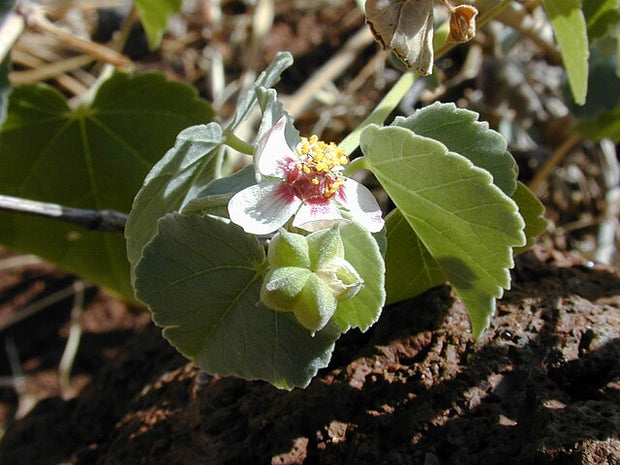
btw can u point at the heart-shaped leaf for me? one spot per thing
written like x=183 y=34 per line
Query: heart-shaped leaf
x=468 y=225
x=208 y=304
x=93 y=157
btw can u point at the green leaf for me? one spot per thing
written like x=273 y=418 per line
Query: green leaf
x=600 y=15
x=362 y=251
x=214 y=198
x=272 y=110
x=410 y=268
x=154 y=15
x=569 y=26
x=266 y=79
x=94 y=157
x=532 y=211
x=600 y=116
x=603 y=84
x=468 y=225
x=460 y=131
x=200 y=278
x=175 y=180
x=606 y=124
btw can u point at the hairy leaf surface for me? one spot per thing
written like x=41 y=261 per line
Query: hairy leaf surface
x=208 y=304
x=468 y=225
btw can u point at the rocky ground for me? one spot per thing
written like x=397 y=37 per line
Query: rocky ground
x=541 y=387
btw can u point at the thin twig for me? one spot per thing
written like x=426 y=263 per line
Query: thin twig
x=103 y=220
x=329 y=71
x=558 y=155
x=49 y=70
x=36 y=307
x=36 y=20
x=73 y=341
x=122 y=36
x=608 y=229
x=18 y=261
x=517 y=18
x=26 y=401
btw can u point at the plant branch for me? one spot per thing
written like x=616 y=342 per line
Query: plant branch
x=558 y=155
x=238 y=144
x=104 y=220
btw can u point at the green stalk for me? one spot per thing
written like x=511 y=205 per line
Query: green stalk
x=381 y=111
x=391 y=100
x=239 y=145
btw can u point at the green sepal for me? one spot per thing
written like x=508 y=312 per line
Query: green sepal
x=282 y=286
x=289 y=249
x=316 y=304
x=324 y=245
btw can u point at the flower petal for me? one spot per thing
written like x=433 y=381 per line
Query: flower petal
x=273 y=151
x=262 y=208
x=362 y=205
x=314 y=217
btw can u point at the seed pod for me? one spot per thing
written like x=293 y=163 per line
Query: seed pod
x=462 y=24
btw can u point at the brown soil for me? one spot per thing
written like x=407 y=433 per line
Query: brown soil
x=541 y=387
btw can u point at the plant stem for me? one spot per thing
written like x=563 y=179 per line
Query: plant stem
x=400 y=89
x=104 y=220
x=381 y=111
x=239 y=145
x=359 y=163
x=558 y=155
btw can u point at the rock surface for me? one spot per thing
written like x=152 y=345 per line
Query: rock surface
x=542 y=386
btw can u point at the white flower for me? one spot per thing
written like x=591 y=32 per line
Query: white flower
x=306 y=182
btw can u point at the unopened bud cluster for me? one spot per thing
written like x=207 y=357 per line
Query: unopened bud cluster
x=308 y=276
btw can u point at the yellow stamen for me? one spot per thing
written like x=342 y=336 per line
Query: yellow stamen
x=322 y=161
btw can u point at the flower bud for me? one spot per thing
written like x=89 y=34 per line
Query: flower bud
x=298 y=290
x=288 y=249
x=308 y=276
x=324 y=245
x=282 y=286
x=341 y=278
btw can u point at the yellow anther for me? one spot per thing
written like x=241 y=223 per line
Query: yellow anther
x=321 y=162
